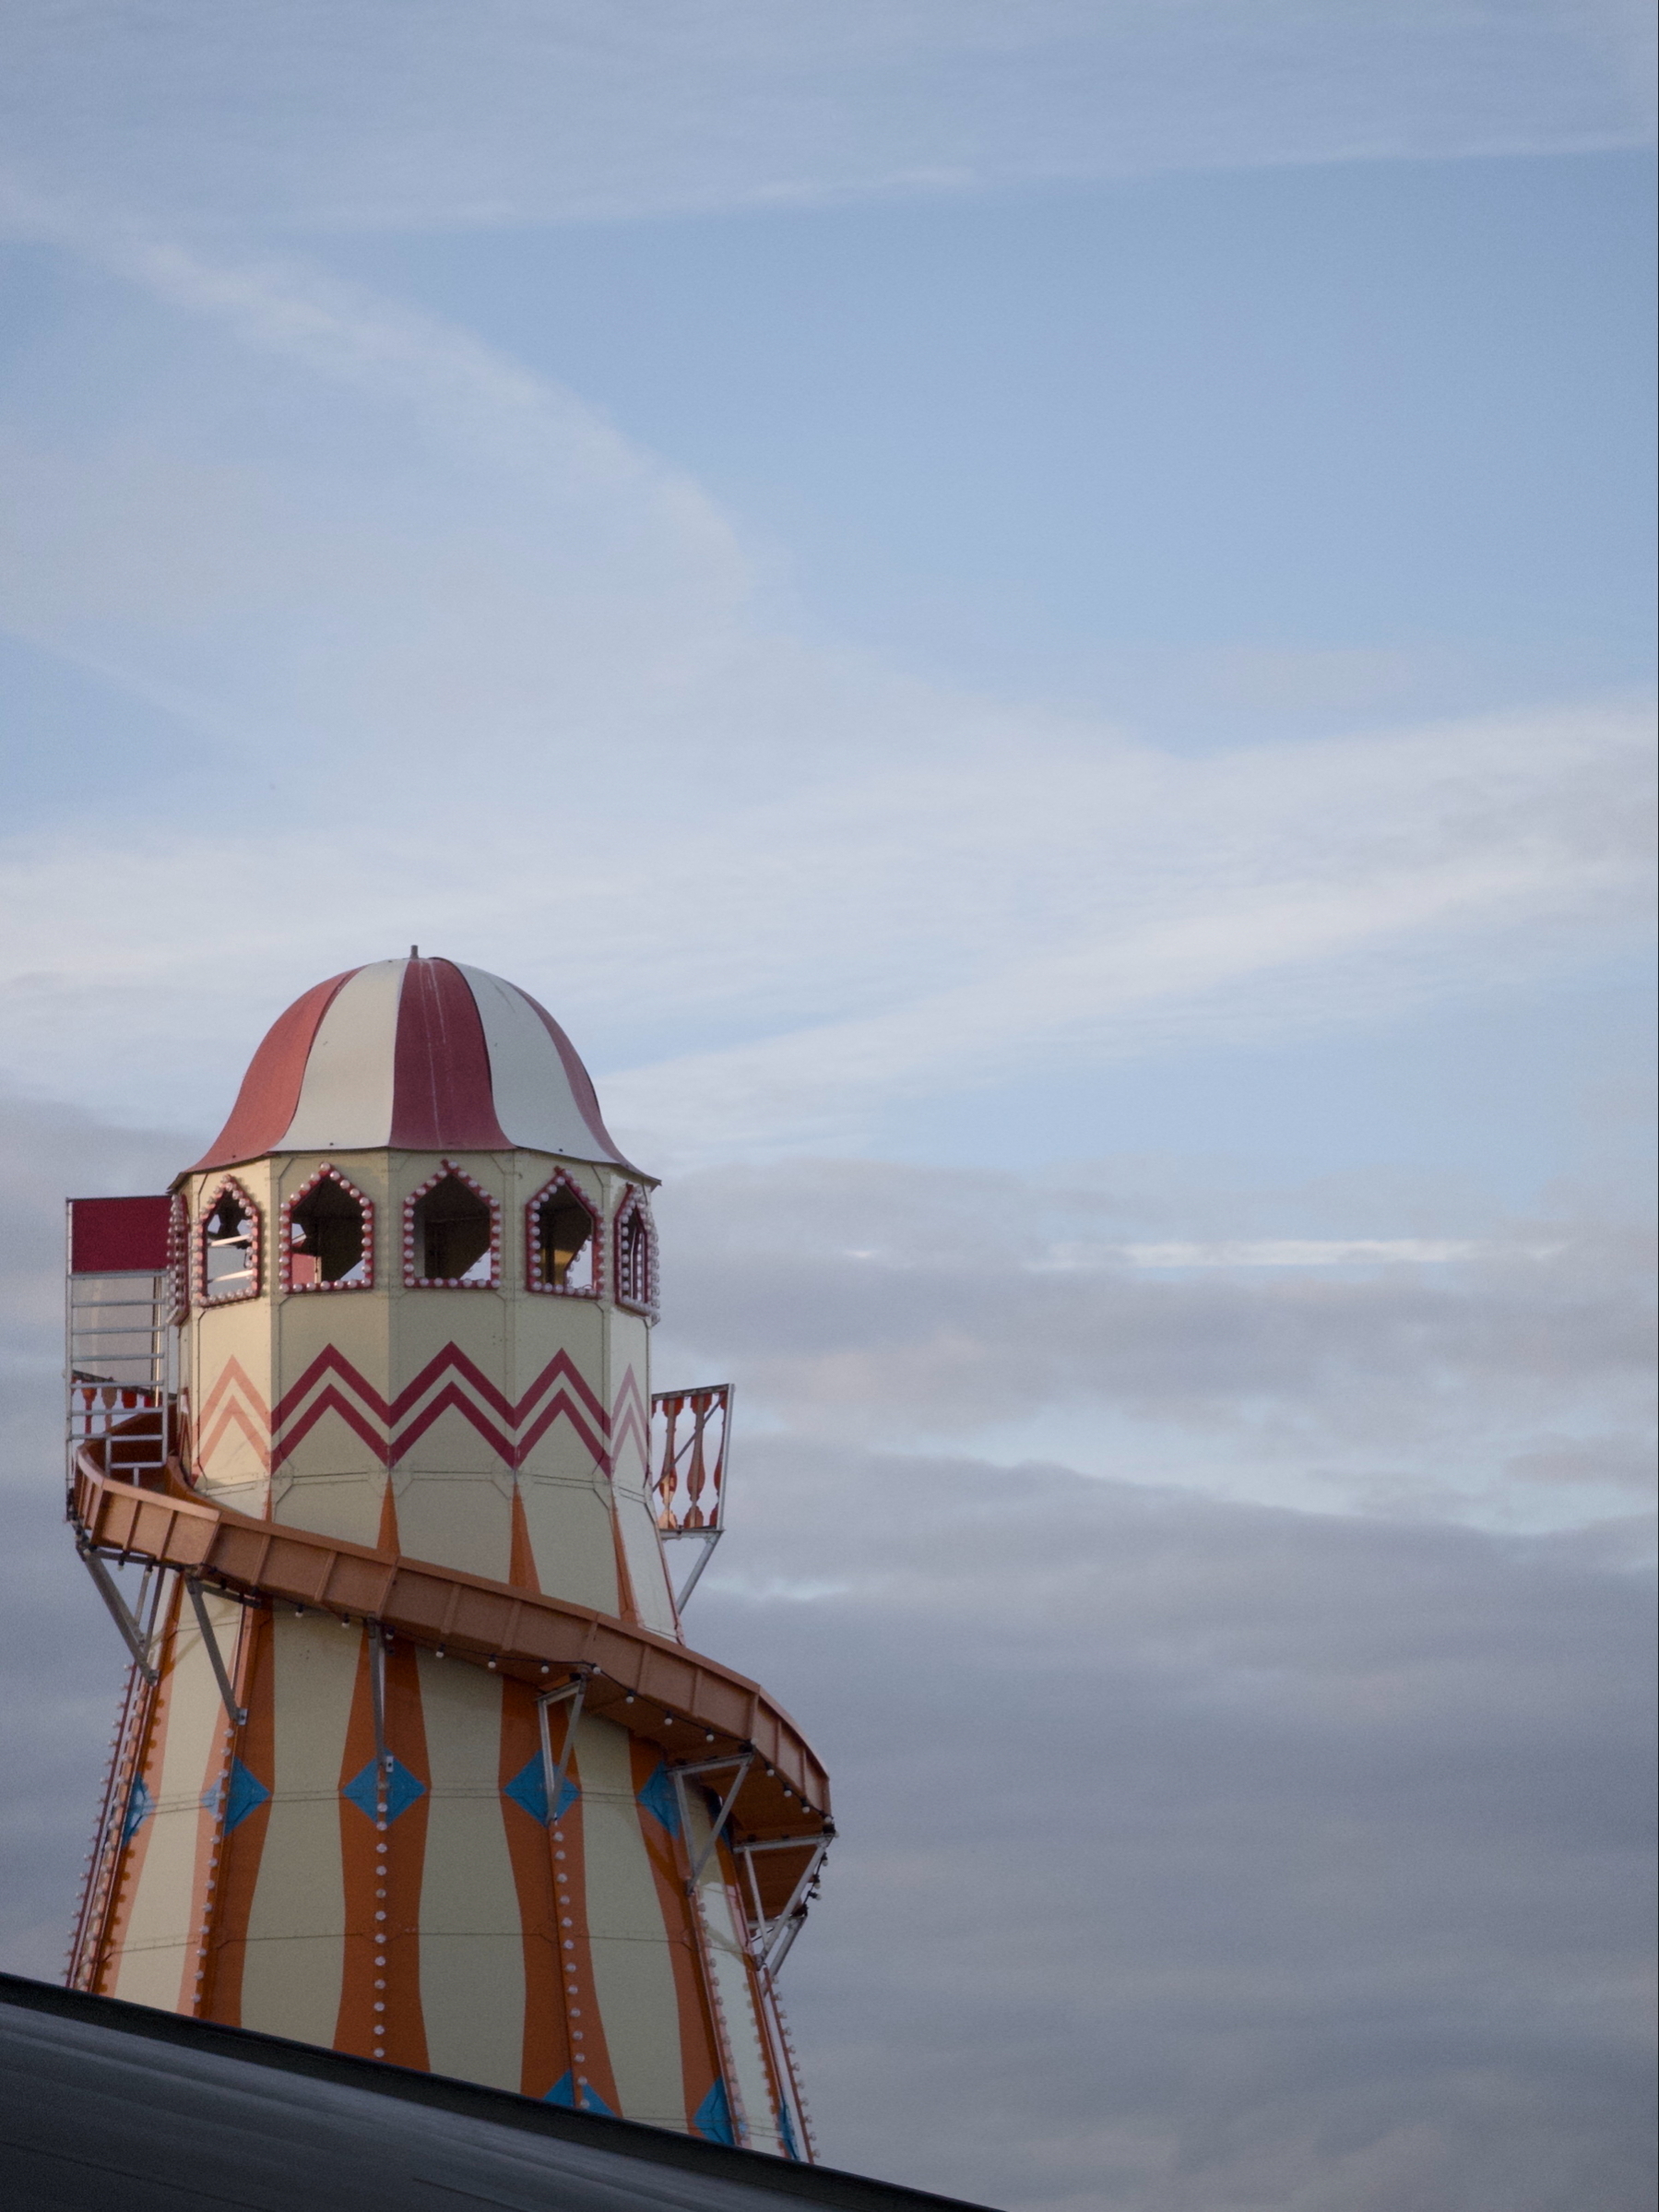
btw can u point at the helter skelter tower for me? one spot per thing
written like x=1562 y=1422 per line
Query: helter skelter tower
x=414 y=1760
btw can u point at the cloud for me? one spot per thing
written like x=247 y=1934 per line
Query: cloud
x=61 y=1662
x=1193 y=1854
x=481 y=671
x=1506 y=1379
x=1198 y=1856
x=1291 y=1251
x=372 y=114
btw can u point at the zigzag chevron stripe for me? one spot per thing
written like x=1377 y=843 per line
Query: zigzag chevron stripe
x=233 y=1403
x=232 y=1376
x=629 y=1423
x=449 y=1382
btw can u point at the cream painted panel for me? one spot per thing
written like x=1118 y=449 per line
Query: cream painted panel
x=231 y=1393
x=632 y=1971
x=356 y=1327
x=471 y=1939
x=463 y=1521
x=347 y=1506
x=735 y=1984
x=569 y=1525
x=296 y=1931
x=534 y=1102
x=429 y=1325
x=346 y=1098
x=161 y=1931
x=646 y=1570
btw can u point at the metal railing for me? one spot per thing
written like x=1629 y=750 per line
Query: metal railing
x=120 y=1367
x=690 y=1449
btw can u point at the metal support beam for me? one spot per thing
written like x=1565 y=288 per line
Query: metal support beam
x=743 y=1761
x=553 y=1770
x=710 y=1537
x=138 y=1642
x=199 y=1607
x=772 y=1937
x=377 y=1692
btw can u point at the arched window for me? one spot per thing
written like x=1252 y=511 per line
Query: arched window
x=450 y=1237
x=230 y=1246
x=562 y=1239
x=635 y=1255
x=328 y=1236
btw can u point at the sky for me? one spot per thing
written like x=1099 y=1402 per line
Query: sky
x=1034 y=622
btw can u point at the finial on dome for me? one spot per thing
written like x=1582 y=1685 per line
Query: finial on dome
x=414 y=952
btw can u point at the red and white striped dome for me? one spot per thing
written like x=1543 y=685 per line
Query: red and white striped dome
x=429 y=1055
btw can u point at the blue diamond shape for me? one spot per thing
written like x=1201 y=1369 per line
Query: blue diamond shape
x=402 y=1789
x=712 y=2117
x=529 y=1789
x=657 y=1795
x=563 y=2091
x=787 y=2131
x=139 y=1807
x=245 y=1794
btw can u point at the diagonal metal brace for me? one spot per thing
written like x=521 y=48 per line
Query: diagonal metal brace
x=137 y=1642
x=553 y=1770
x=772 y=1938
x=199 y=1606
x=743 y=1761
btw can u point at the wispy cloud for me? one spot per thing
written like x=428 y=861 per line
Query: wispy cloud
x=830 y=887
x=1295 y=1252
x=375 y=113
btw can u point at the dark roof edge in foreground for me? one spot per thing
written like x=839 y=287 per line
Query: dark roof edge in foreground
x=623 y=2138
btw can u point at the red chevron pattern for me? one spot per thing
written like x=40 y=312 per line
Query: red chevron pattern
x=450 y=1381
x=233 y=1403
x=629 y=1423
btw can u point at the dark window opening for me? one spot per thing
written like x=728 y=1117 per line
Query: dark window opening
x=228 y=1247
x=452 y=1233
x=566 y=1246
x=633 y=1256
x=326 y=1237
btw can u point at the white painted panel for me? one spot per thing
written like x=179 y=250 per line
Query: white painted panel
x=291 y=1984
x=648 y=1570
x=569 y=1525
x=472 y=1937
x=633 y=1972
x=534 y=1102
x=456 y=1520
x=160 y=1931
x=346 y=1100
x=734 y=1985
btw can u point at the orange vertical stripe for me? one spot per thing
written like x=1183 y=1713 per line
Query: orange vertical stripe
x=699 y=2049
x=241 y=1851
x=530 y=1846
x=380 y=1992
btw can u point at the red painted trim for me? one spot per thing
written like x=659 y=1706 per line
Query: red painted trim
x=442 y=1098
x=270 y=1090
x=581 y=1085
x=121 y=1236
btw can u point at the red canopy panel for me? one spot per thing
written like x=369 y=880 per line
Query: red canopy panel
x=118 y=1236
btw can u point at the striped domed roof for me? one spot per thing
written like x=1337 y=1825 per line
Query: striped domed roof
x=429 y=1055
